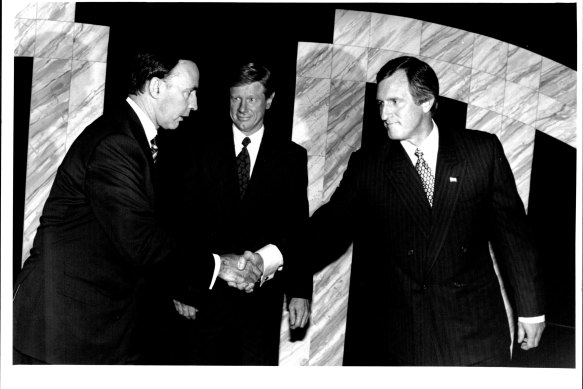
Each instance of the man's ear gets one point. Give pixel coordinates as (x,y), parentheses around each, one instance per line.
(426,106)
(154,86)
(269,101)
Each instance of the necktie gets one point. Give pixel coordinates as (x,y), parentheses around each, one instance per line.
(154,148)
(244,167)
(425,173)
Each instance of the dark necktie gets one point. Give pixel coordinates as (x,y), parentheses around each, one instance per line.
(154,148)
(426,177)
(244,167)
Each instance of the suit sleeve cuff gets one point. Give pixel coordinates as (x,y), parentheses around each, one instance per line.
(532,320)
(272,261)
(217,268)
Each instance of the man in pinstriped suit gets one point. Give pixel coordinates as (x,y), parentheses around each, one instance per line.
(421,210)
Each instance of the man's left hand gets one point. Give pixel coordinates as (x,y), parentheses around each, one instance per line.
(299,312)
(529,334)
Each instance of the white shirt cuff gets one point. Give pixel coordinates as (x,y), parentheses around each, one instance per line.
(217,268)
(272,261)
(532,320)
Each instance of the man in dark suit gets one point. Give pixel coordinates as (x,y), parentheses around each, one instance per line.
(421,209)
(76,297)
(251,189)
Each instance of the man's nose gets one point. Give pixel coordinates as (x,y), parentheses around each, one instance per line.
(193,103)
(385,112)
(242,106)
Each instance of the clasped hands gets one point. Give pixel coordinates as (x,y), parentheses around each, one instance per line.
(241,271)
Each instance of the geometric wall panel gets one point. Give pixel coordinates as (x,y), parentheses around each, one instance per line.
(69,67)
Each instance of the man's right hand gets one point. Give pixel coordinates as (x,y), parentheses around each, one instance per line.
(236,275)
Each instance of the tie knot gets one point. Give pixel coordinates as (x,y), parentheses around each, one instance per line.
(246,141)
(154,143)
(418,153)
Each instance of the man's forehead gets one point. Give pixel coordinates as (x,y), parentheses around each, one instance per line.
(396,84)
(184,70)
(249,89)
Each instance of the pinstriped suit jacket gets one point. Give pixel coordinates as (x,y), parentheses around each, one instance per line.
(423,290)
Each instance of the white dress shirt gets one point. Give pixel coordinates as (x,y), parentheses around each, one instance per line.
(272,257)
(429,147)
(149,127)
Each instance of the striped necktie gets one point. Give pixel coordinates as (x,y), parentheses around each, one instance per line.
(154,148)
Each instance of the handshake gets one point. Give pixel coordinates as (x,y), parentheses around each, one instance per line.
(241,271)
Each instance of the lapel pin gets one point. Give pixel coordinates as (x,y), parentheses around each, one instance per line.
(452,179)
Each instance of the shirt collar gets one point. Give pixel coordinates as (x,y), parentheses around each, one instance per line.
(149,127)
(255,138)
(429,144)
(429,147)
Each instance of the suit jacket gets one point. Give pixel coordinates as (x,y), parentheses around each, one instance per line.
(423,290)
(275,204)
(98,237)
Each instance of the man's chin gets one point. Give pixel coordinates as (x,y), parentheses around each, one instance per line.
(172,126)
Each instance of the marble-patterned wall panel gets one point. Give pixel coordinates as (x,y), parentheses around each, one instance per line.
(336,164)
(557,120)
(344,130)
(447,44)
(520,103)
(559,82)
(377,58)
(482,119)
(352,28)
(518,142)
(64,12)
(349,63)
(345,115)
(316,170)
(24,37)
(330,302)
(490,56)
(87,96)
(47,133)
(487,91)
(454,80)
(27,10)
(395,33)
(54,39)
(314,60)
(90,42)
(524,67)
(310,121)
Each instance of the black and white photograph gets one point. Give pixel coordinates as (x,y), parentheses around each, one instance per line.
(299,194)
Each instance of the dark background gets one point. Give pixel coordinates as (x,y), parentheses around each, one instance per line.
(214,35)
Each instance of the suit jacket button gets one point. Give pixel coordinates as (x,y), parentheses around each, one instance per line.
(410,252)
(425,286)
(464,249)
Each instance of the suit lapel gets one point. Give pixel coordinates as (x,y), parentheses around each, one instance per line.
(407,185)
(139,133)
(137,130)
(224,167)
(450,175)
(266,156)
